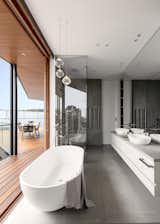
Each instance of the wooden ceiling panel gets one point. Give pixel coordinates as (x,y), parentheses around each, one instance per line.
(17,47)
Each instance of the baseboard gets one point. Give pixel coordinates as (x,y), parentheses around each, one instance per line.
(107,146)
(103,146)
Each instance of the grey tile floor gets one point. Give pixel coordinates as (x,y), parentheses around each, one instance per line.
(118,194)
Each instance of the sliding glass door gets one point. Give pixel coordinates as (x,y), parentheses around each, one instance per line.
(5,109)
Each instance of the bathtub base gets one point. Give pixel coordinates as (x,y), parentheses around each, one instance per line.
(46,199)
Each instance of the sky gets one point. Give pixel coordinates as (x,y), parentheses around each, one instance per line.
(4,84)
(23,101)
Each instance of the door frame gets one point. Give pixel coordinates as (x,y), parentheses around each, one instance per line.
(13,108)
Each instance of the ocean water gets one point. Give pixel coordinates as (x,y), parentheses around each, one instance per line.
(23,117)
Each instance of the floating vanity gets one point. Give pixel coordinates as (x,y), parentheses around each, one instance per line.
(144,160)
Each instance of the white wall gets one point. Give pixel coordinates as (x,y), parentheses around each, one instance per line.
(110,107)
(52,102)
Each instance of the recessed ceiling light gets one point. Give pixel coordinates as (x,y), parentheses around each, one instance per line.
(106,45)
(23,54)
(139,35)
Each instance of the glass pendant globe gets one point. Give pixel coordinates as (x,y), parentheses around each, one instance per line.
(66,80)
(59,62)
(59,73)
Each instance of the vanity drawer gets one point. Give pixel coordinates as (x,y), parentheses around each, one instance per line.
(148,184)
(144,164)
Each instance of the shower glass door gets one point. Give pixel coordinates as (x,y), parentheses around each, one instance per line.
(76,112)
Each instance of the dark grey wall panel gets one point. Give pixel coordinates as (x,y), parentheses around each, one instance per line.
(94,112)
(146,103)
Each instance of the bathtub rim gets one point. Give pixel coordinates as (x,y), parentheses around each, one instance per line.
(33,186)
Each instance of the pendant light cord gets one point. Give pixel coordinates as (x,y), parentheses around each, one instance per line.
(60,34)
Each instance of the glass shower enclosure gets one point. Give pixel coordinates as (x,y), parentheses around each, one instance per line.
(71,104)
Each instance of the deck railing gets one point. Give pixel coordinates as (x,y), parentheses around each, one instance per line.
(23,117)
(5,137)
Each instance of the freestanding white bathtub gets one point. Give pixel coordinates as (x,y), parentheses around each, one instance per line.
(43,183)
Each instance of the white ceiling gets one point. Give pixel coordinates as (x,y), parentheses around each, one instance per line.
(146,65)
(94,23)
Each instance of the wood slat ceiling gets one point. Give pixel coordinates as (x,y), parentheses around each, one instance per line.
(17,47)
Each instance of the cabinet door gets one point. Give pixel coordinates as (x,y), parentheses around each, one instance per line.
(146,95)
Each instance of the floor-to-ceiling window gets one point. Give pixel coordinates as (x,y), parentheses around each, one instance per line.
(20,107)
(5,109)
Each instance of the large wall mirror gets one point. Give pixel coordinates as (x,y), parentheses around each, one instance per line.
(142,91)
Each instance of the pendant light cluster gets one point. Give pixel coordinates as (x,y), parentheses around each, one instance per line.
(60,63)
(66,80)
(60,72)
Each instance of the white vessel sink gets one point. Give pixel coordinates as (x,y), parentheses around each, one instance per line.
(122,132)
(137,130)
(139,139)
(155,137)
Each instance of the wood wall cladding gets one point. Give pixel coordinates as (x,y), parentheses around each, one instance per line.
(17,47)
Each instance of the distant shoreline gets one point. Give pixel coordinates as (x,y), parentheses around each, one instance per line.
(30,110)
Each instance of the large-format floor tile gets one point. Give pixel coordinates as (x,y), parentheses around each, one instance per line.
(118,194)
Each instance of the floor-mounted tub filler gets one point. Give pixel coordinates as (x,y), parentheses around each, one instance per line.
(56,180)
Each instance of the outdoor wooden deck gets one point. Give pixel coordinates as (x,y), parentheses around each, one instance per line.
(29,143)
(10,169)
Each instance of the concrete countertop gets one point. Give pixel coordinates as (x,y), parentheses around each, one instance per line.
(152,150)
